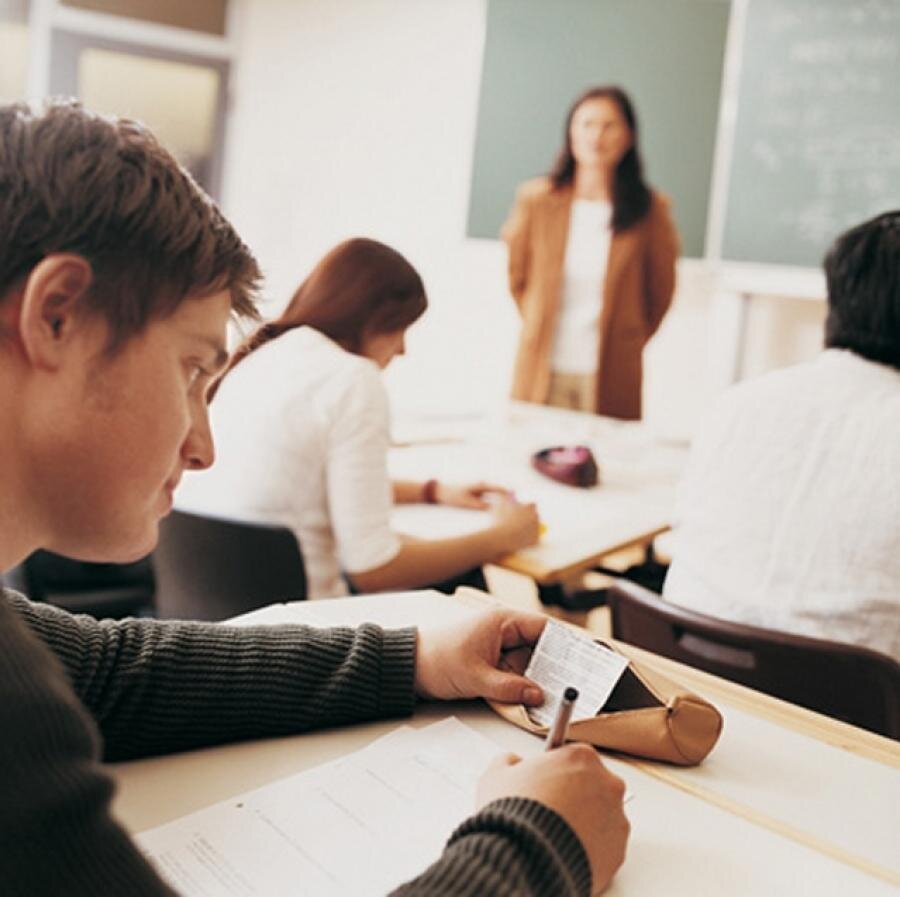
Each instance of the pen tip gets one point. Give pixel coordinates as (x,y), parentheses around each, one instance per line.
(571,694)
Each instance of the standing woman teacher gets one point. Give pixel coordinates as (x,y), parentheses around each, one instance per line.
(592,253)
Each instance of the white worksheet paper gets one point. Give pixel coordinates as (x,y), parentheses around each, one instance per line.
(359,825)
(563,658)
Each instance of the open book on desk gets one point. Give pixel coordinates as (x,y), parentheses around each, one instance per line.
(361,825)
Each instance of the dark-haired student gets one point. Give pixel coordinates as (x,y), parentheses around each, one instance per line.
(117,280)
(592,253)
(790,508)
(302,422)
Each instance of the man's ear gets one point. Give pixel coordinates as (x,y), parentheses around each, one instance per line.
(53,307)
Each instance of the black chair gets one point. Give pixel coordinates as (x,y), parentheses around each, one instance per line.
(847,682)
(101,590)
(650,573)
(212,568)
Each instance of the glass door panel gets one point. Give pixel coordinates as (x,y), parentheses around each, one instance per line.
(13,50)
(179,97)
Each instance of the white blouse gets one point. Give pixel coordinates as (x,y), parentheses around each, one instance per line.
(576,338)
(302,433)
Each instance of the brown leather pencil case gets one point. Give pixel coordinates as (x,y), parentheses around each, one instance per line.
(647,715)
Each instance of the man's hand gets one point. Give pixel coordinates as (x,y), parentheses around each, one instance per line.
(573,782)
(463,661)
(470,495)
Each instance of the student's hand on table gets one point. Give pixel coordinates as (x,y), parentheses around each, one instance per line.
(463,660)
(573,782)
(517,525)
(470,495)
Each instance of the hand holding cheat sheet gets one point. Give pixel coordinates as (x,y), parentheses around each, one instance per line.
(463,660)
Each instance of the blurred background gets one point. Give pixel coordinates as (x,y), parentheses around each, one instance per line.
(311,121)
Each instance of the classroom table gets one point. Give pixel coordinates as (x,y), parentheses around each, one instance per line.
(632,503)
(789,802)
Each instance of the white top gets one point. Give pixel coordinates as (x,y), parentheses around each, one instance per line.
(577,339)
(790,508)
(302,434)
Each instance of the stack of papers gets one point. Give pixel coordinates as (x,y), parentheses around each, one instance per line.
(359,825)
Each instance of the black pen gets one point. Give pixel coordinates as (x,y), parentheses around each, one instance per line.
(556,735)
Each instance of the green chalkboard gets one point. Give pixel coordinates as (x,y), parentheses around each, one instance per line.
(540,54)
(817,136)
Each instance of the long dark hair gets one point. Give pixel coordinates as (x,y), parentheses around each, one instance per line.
(360,288)
(630,193)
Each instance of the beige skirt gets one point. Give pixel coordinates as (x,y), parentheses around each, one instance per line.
(577,392)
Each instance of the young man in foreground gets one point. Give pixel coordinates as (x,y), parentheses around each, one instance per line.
(117,279)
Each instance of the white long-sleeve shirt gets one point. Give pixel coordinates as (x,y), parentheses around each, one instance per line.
(302,432)
(576,339)
(789,512)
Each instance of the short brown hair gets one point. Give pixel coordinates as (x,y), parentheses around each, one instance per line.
(105,189)
(360,288)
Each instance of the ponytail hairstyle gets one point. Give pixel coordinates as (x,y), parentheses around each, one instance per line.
(361,288)
(630,193)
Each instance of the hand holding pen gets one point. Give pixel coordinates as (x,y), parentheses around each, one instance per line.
(558,733)
(573,782)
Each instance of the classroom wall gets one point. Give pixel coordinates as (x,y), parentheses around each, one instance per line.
(358,118)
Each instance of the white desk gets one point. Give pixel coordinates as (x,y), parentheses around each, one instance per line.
(632,503)
(788,803)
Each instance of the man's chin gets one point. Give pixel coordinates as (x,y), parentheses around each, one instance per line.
(110,551)
(137,554)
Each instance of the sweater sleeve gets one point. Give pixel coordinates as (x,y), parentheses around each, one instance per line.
(513,848)
(154,687)
(56,832)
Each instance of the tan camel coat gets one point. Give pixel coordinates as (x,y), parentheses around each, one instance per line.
(640,281)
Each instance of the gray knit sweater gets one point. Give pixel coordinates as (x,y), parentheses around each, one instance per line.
(141,687)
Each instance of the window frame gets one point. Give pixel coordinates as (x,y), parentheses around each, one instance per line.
(57,35)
